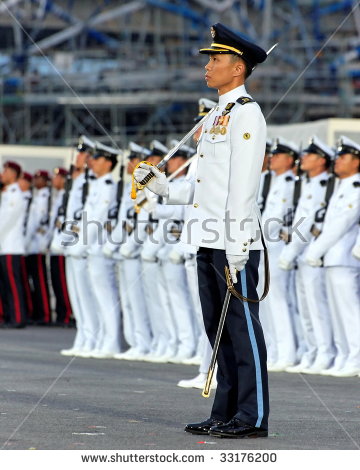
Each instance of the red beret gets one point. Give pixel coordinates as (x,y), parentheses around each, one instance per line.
(60,171)
(27,176)
(43,174)
(15,166)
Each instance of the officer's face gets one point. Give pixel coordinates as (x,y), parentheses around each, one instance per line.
(101,166)
(222,70)
(174,163)
(8,176)
(346,165)
(24,184)
(58,182)
(131,165)
(81,159)
(311,161)
(281,162)
(154,159)
(39,182)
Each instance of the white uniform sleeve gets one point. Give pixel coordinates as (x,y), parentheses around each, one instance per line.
(334,228)
(248,140)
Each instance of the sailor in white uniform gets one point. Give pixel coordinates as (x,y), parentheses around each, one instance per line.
(280,334)
(92,236)
(332,248)
(310,281)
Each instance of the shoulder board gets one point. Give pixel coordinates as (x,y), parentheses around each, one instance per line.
(108,182)
(228,108)
(289,178)
(356,184)
(245,99)
(323,182)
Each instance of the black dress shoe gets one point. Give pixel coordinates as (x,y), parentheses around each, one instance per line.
(203,427)
(237,429)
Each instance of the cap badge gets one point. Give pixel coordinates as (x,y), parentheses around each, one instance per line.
(212,32)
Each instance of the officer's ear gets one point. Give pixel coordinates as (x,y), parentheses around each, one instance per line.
(240,68)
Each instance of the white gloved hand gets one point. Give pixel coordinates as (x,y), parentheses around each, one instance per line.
(158,184)
(236,263)
(314,262)
(176,257)
(126,250)
(286,264)
(150,206)
(356,251)
(107,251)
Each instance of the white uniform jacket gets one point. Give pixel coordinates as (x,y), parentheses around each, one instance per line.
(224,214)
(12,217)
(38,222)
(278,204)
(311,200)
(340,227)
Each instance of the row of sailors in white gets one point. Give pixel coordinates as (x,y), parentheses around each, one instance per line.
(311,317)
(28,215)
(159,301)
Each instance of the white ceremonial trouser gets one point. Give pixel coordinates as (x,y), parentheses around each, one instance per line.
(169,326)
(79,340)
(103,283)
(307,327)
(175,277)
(266,319)
(127,316)
(155,309)
(193,286)
(278,305)
(206,357)
(87,302)
(317,305)
(293,305)
(135,291)
(343,289)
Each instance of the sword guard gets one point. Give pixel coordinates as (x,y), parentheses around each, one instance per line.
(140,185)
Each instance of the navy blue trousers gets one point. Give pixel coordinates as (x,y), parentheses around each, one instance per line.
(242,390)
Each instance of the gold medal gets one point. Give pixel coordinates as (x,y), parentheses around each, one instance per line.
(223,131)
(212,130)
(217,130)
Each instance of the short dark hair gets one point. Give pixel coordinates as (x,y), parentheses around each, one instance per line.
(248,67)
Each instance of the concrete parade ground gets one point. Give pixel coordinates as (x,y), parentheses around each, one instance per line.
(53,402)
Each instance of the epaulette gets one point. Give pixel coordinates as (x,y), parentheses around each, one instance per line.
(356,184)
(323,182)
(108,182)
(245,99)
(289,178)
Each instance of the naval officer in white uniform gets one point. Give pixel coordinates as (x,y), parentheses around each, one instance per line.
(224,224)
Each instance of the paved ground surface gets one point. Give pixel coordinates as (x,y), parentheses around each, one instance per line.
(48,401)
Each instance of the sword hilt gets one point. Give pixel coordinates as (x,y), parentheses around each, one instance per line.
(141,184)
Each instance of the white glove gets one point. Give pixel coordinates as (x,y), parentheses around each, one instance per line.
(286,264)
(150,206)
(107,251)
(236,263)
(158,184)
(356,251)
(314,262)
(126,250)
(176,257)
